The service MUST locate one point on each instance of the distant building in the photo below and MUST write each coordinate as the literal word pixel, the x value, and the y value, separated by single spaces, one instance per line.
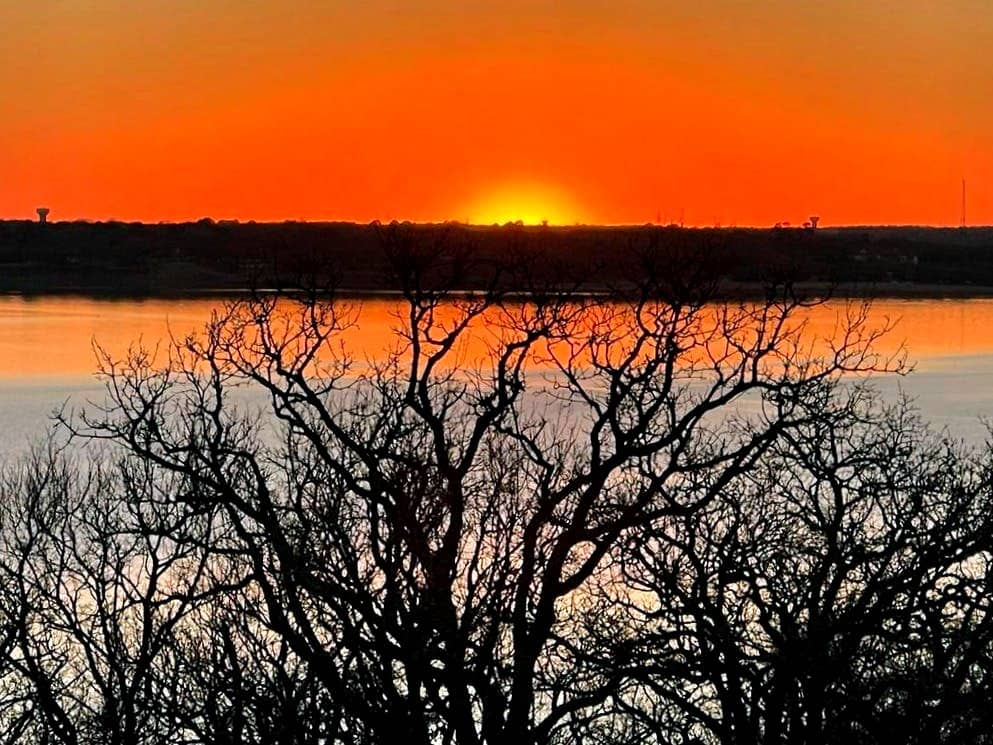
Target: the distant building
pixel 43 214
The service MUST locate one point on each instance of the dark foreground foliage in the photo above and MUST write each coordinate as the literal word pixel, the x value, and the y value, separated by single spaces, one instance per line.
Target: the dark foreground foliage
pixel 653 521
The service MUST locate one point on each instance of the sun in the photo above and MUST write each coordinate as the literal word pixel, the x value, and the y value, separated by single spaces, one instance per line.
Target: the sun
pixel 531 204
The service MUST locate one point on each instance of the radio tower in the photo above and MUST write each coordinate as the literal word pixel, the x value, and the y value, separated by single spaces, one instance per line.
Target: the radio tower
pixel 963 203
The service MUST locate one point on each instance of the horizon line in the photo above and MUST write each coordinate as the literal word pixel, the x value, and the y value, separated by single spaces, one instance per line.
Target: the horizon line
pixel 510 224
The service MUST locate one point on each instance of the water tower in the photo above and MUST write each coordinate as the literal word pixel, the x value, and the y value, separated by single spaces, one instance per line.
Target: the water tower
pixel 43 214
pixel 814 219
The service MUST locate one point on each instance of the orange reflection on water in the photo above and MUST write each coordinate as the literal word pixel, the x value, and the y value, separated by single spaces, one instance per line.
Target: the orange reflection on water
pixel 925 328
pixel 54 337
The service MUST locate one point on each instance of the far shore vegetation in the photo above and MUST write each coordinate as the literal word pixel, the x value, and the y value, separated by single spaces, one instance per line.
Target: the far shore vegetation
pixel 221 258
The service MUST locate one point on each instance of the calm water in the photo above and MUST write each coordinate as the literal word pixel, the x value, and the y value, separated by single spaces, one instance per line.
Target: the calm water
pixel 47 356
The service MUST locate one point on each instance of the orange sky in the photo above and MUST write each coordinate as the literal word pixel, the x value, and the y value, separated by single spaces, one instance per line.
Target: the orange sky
pixel 727 111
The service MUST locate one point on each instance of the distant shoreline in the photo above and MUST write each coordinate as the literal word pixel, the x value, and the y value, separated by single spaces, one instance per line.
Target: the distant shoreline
pixel 888 291
pixel 225 259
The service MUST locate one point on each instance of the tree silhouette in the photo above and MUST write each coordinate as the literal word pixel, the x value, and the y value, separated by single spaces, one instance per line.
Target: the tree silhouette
pixel 423 531
pixel 651 516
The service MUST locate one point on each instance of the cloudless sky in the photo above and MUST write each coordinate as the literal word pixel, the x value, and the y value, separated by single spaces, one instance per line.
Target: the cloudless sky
pixel 719 111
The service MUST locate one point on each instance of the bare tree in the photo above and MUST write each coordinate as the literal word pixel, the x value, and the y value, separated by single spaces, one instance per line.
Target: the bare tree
pixel 427 531
pixel 836 591
pixel 242 684
pixel 94 596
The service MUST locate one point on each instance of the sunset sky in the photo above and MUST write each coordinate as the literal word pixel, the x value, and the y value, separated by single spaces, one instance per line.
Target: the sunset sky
pixel 598 111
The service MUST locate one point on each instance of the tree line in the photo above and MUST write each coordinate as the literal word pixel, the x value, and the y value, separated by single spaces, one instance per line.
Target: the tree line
pixel 643 519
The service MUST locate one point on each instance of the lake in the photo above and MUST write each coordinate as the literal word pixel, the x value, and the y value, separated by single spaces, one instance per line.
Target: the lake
pixel 47 354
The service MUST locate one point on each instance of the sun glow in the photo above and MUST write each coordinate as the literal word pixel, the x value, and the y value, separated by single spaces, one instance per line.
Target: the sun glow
pixel 529 204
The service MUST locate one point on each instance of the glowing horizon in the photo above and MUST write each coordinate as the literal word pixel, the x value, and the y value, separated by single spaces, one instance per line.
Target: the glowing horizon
pixel 624 113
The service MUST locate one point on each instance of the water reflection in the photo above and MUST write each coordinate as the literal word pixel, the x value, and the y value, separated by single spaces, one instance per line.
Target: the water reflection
pixel 47 355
